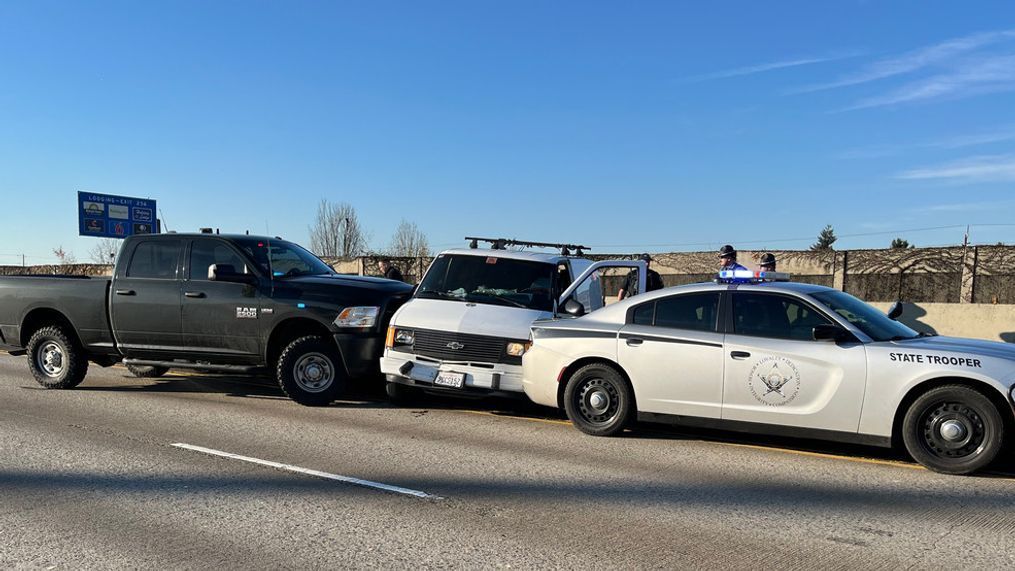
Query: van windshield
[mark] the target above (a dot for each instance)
(490, 280)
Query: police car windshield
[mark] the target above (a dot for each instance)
(281, 259)
(874, 323)
(490, 280)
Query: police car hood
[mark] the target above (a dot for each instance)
(961, 345)
(461, 317)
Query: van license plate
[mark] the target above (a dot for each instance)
(452, 380)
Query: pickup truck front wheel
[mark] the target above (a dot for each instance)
(310, 371)
(55, 359)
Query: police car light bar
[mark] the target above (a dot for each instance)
(752, 276)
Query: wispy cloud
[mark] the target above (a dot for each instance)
(1000, 135)
(770, 66)
(916, 60)
(985, 168)
(990, 75)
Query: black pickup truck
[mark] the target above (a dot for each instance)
(204, 301)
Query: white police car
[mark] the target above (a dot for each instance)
(780, 358)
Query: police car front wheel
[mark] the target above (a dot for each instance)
(953, 429)
(598, 400)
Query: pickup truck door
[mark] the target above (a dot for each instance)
(590, 288)
(220, 319)
(144, 303)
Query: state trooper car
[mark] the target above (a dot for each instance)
(780, 358)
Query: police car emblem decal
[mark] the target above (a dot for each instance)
(774, 381)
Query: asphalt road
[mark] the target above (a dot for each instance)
(90, 478)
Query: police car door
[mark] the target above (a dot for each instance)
(776, 373)
(673, 354)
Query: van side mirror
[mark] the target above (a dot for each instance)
(574, 307)
(829, 332)
(895, 311)
(228, 273)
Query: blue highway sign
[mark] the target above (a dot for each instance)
(108, 216)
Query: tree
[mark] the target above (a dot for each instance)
(901, 244)
(336, 232)
(409, 241)
(64, 257)
(104, 250)
(825, 240)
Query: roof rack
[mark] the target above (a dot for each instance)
(503, 243)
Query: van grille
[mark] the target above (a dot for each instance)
(450, 346)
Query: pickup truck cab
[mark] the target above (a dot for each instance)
(467, 325)
(205, 301)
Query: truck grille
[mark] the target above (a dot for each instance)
(450, 346)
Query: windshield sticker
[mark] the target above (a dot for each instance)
(774, 381)
(934, 359)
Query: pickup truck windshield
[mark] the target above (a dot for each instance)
(875, 324)
(490, 280)
(281, 259)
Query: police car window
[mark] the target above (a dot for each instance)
(875, 324)
(644, 313)
(207, 252)
(155, 259)
(695, 311)
(775, 316)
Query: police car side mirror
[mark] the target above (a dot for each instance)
(895, 311)
(829, 332)
(574, 308)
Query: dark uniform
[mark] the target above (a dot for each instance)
(394, 274)
(653, 280)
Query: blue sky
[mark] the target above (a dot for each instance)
(627, 125)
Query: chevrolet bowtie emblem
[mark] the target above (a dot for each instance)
(455, 345)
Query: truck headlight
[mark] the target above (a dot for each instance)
(360, 316)
(517, 349)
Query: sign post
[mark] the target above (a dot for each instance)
(108, 216)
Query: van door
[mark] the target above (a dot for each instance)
(145, 299)
(589, 290)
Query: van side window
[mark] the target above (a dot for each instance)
(155, 259)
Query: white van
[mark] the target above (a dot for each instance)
(466, 326)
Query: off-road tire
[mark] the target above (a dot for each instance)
(598, 400)
(147, 371)
(977, 430)
(55, 358)
(310, 371)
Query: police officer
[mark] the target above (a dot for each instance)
(728, 259)
(653, 280)
(767, 262)
(389, 271)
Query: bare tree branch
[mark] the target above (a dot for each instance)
(104, 250)
(409, 241)
(336, 232)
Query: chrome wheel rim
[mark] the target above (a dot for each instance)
(51, 359)
(314, 372)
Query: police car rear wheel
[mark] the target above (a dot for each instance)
(953, 430)
(598, 400)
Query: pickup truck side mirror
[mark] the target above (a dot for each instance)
(574, 307)
(228, 273)
(895, 311)
(830, 332)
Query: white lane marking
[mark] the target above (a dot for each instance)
(309, 472)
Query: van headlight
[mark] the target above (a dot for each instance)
(517, 349)
(360, 316)
(404, 337)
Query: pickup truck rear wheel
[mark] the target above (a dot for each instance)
(310, 371)
(147, 371)
(953, 429)
(55, 359)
